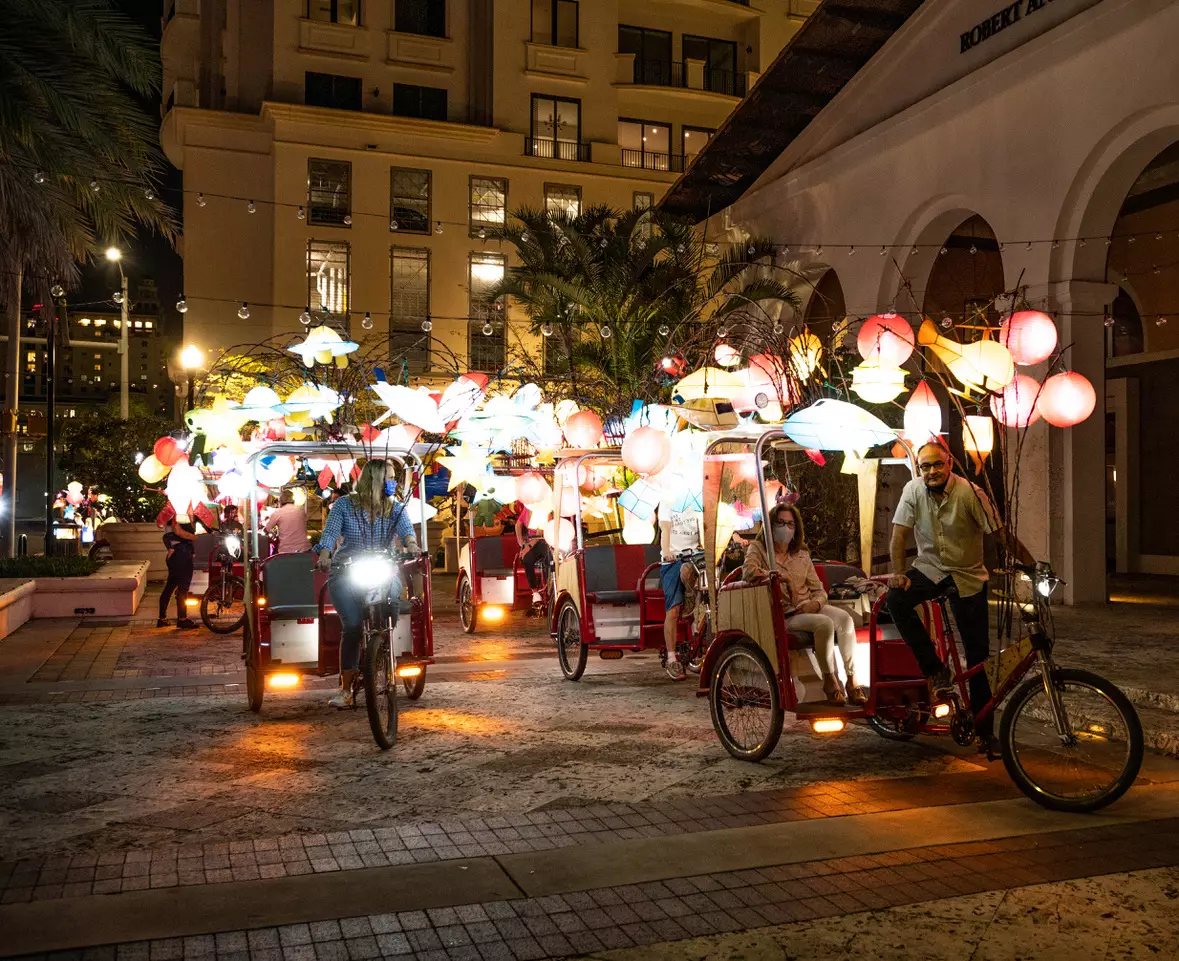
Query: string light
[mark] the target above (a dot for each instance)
(438, 227)
(244, 311)
(305, 317)
(181, 305)
(393, 225)
(913, 251)
(947, 323)
(38, 177)
(605, 332)
(851, 251)
(200, 200)
(252, 208)
(488, 330)
(1158, 236)
(118, 297)
(1029, 246)
(56, 291)
(1161, 322)
(664, 330)
(1132, 238)
(973, 250)
(1055, 244)
(367, 323)
(300, 214)
(943, 251)
(482, 234)
(347, 220)
(883, 250)
(751, 250)
(149, 194)
(546, 329)
(427, 325)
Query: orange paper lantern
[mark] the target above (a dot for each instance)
(646, 450)
(1030, 335)
(1066, 399)
(583, 429)
(168, 451)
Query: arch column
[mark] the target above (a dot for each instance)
(1077, 529)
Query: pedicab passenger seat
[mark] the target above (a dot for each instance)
(289, 582)
(796, 640)
(496, 556)
(612, 571)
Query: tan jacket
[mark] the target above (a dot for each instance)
(800, 580)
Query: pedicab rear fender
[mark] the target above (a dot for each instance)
(720, 643)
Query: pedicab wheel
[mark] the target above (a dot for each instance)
(415, 685)
(571, 649)
(898, 729)
(743, 699)
(224, 615)
(380, 690)
(1089, 766)
(468, 612)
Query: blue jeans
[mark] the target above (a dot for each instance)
(672, 584)
(348, 600)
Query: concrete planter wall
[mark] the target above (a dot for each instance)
(138, 542)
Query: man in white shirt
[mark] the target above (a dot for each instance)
(679, 532)
(290, 520)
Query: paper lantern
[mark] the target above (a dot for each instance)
(261, 404)
(646, 450)
(637, 531)
(234, 486)
(532, 488)
(323, 346)
(641, 498)
(1030, 335)
(415, 407)
(711, 382)
(168, 451)
(558, 533)
(275, 470)
(74, 494)
(877, 382)
(923, 415)
(886, 339)
(460, 398)
(151, 471)
(726, 355)
(583, 429)
(570, 498)
(1016, 405)
(573, 474)
(185, 487)
(837, 425)
(1066, 399)
(805, 350)
(983, 365)
(978, 434)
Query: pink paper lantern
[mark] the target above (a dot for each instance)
(646, 450)
(1015, 406)
(531, 488)
(1066, 399)
(1030, 335)
(887, 338)
(583, 429)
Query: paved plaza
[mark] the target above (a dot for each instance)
(147, 813)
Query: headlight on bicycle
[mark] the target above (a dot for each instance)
(233, 544)
(371, 572)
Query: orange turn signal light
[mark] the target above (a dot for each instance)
(410, 670)
(282, 682)
(492, 613)
(261, 602)
(827, 725)
(941, 710)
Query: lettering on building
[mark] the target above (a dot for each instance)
(997, 22)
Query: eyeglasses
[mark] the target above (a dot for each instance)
(933, 465)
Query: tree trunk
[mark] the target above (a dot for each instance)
(8, 419)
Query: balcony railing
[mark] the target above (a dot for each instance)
(556, 149)
(650, 160)
(724, 81)
(674, 73)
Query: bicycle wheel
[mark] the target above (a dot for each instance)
(895, 729)
(380, 688)
(468, 612)
(224, 609)
(1090, 765)
(743, 699)
(255, 681)
(571, 649)
(415, 685)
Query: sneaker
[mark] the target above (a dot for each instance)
(941, 685)
(161, 622)
(186, 624)
(341, 699)
(988, 744)
(675, 670)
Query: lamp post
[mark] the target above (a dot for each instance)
(115, 256)
(191, 359)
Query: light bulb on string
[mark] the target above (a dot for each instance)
(38, 177)
(973, 250)
(1107, 319)
(819, 252)
(438, 227)
(305, 317)
(244, 311)
(149, 194)
(947, 323)
(299, 214)
(56, 291)
(722, 333)
(664, 330)
(943, 251)
(1158, 236)
(427, 325)
(913, 252)
(1029, 246)
(95, 186)
(200, 200)
(251, 207)
(778, 328)
(1055, 244)
(603, 242)
(1081, 242)
(367, 323)
(393, 225)
(851, 251)
(482, 234)
(1108, 241)
(605, 332)
(546, 330)
(118, 297)
(785, 248)
(883, 250)
(751, 250)
(524, 237)
(347, 220)
(1131, 239)
(181, 305)
(1161, 322)
(488, 330)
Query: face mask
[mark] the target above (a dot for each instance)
(390, 488)
(783, 535)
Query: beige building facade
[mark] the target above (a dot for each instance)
(360, 158)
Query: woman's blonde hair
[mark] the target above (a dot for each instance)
(369, 492)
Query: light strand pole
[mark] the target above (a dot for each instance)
(8, 418)
(115, 256)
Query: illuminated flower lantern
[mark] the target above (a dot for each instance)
(1066, 399)
(983, 365)
(151, 471)
(923, 415)
(324, 346)
(636, 530)
(876, 381)
(886, 339)
(583, 429)
(726, 355)
(1030, 335)
(837, 425)
(185, 488)
(461, 397)
(533, 489)
(1016, 405)
(168, 451)
(805, 351)
(646, 450)
(310, 403)
(978, 438)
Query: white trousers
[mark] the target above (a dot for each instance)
(829, 625)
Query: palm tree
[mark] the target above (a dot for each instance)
(610, 291)
(79, 159)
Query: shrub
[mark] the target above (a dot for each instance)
(38, 565)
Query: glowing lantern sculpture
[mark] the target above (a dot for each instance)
(1030, 335)
(983, 365)
(978, 438)
(726, 355)
(559, 533)
(837, 425)
(886, 339)
(583, 429)
(877, 382)
(168, 451)
(923, 415)
(708, 382)
(805, 351)
(533, 489)
(1016, 405)
(151, 471)
(324, 346)
(646, 450)
(1066, 399)
(636, 530)
(185, 488)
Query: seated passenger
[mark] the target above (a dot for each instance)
(535, 554)
(806, 601)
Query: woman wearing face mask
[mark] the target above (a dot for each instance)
(806, 602)
(370, 518)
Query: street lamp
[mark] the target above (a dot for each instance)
(192, 358)
(115, 256)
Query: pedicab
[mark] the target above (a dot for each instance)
(606, 593)
(491, 582)
(1069, 739)
(292, 630)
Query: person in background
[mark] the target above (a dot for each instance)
(290, 521)
(180, 542)
(679, 533)
(806, 602)
(231, 520)
(534, 551)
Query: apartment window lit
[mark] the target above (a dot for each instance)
(485, 351)
(425, 17)
(562, 199)
(556, 129)
(554, 22)
(488, 210)
(694, 140)
(329, 192)
(148, 324)
(334, 11)
(328, 277)
(409, 200)
(425, 103)
(645, 144)
(409, 305)
(331, 90)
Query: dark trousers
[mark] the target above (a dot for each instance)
(970, 613)
(179, 580)
(349, 604)
(532, 558)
